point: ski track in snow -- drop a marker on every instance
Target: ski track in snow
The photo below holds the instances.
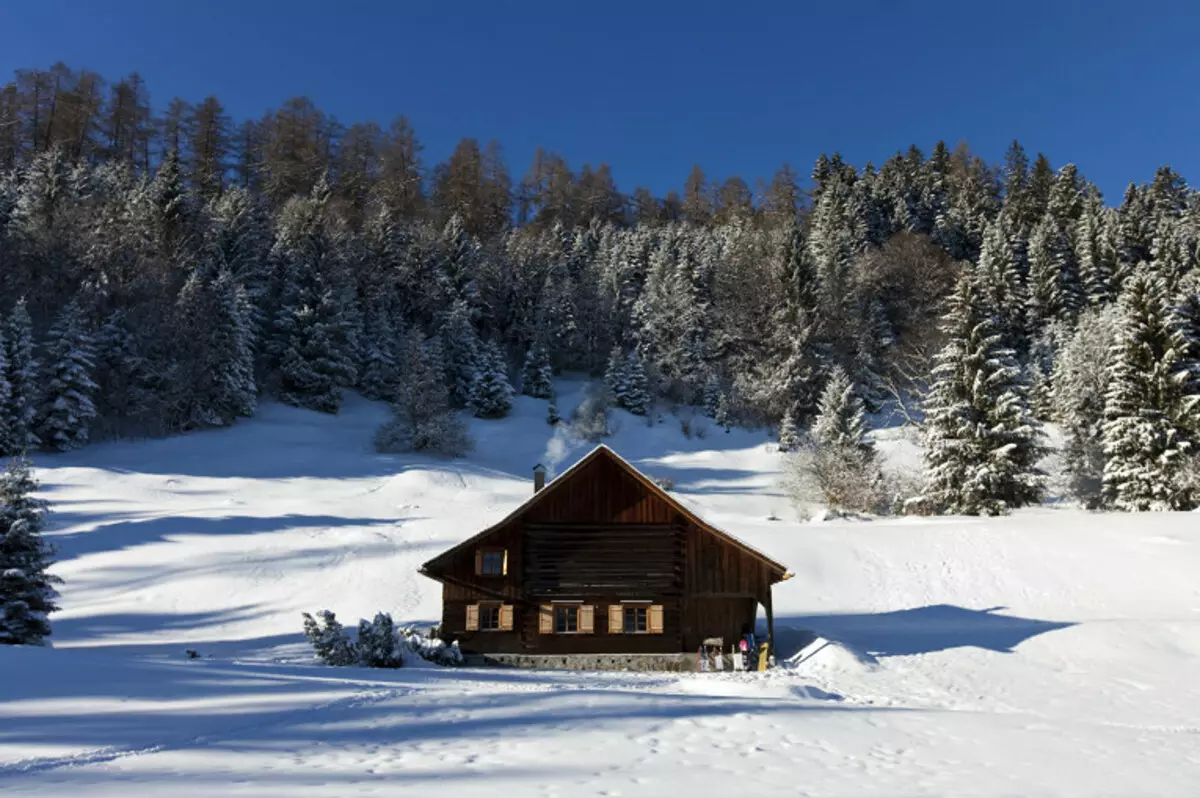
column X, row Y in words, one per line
column 1051, row 653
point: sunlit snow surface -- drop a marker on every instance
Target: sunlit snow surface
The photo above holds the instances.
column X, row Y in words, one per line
column 1054, row 652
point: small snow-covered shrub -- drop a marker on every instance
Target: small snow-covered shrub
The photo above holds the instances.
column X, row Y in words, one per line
column 380, row 644
column 840, row 478
column 329, row 639
column 377, row 643
column 444, row 434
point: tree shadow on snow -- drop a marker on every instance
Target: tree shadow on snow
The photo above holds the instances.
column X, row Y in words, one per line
column 124, row 534
column 921, row 630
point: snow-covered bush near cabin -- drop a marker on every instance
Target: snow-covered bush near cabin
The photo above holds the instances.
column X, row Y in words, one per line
column 380, row 644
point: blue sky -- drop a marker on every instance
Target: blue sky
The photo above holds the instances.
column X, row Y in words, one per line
column 653, row 87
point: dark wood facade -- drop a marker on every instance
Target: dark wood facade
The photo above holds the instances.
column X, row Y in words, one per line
column 638, row 572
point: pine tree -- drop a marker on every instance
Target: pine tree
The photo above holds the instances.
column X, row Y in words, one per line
column 329, row 640
column 127, row 395
column 999, row 279
column 8, row 442
column 627, row 383
column 536, row 374
column 217, row 349
column 1153, row 392
column 27, row 593
column 983, row 444
column 789, row 433
column 21, row 376
column 552, row 415
column 422, row 418
column 491, row 395
column 67, row 411
column 461, row 353
column 841, row 420
column 1080, row 382
column 380, row 371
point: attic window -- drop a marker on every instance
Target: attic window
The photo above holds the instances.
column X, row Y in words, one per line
column 491, row 562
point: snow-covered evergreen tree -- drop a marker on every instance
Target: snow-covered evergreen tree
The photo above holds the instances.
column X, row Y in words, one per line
column 1080, row 383
column 217, row 347
column 312, row 343
column 492, row 393
column 422, row 418
column 67, row 411
column 626, row 380
column 537, row 378
column 552, row 414
column 841, row 421
column 21, row 369
column 378, row 646
column 8, row 441
column 1153, row 394
column 27, row 593
column 983, row 444
column 789, row 433
column 329, row 640
column 462, row 354
column 380, row 371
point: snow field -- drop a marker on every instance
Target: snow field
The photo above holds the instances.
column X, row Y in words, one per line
column 1053, row 652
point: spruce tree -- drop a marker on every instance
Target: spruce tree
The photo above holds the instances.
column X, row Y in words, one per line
column 626, row 380
column 8, row 440
column 491, row 395
column 67, row 411
column 1153, row 392
column 462, row 354
column 789, row 433
column 380, row 371
column 983, row 443
column 217, row 345
column 1080, row 382
column 841, row 421
column 422, row 417
column 27, row 593
column 21, row 375
column 536, row 374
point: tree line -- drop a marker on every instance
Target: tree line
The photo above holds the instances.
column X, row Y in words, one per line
column 160, row 271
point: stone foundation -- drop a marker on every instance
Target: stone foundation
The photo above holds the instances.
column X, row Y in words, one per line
column 587, row 662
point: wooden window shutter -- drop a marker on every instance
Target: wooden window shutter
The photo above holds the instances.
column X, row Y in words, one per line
column 472, row 617
column 616, row 619
column 506, row 617
column 478, row 562
column 545, row 619
column 587, row 619
column 655, row 619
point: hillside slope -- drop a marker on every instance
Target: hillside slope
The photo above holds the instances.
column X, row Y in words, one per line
column 1050, row 653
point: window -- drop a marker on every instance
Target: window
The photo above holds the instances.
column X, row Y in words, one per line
column 635, row 620
column 566, row 620
column 489, row 617
column 491, row 562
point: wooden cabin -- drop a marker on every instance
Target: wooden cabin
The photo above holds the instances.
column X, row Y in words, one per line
column 599, row 564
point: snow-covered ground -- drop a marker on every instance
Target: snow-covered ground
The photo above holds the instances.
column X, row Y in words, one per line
column 1050, row 653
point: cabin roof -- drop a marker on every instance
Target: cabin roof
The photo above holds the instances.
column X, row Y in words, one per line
column 604, row 451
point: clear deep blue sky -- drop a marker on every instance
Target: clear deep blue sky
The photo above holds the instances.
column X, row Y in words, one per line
column 653, row 87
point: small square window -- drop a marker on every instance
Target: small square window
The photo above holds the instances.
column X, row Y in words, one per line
column 489, row 617
column 635, row 620
column 492, row 562
column 566, row 620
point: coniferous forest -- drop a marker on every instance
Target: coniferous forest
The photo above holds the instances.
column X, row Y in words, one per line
column 163, row 266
